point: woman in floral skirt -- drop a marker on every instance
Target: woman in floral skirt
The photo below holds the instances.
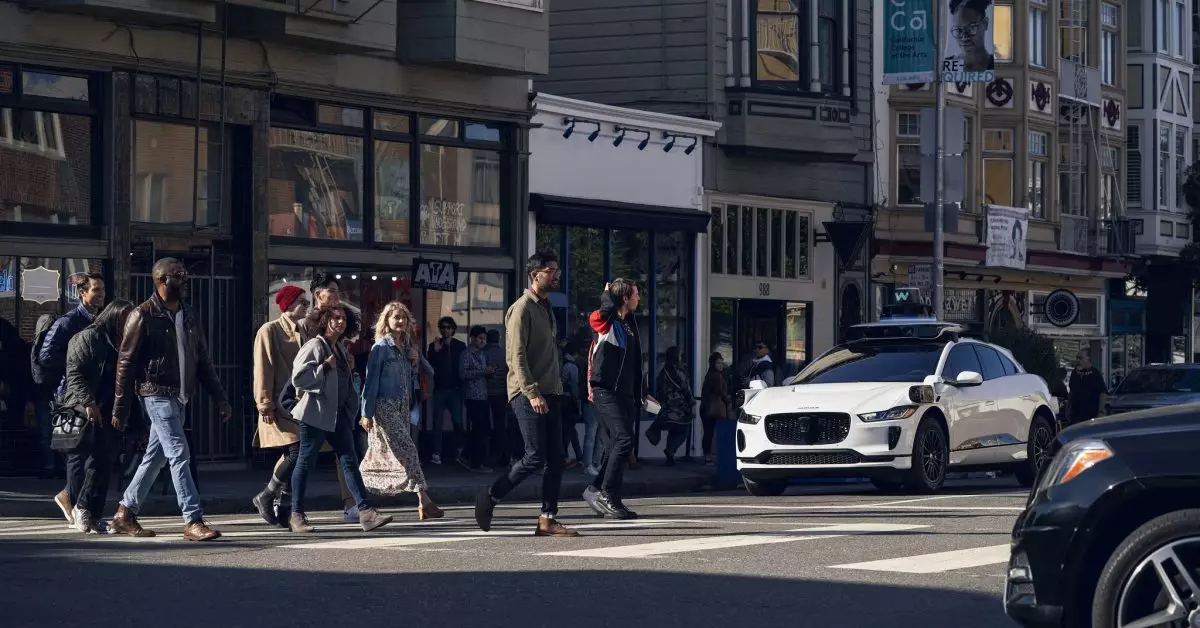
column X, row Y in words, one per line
column 391, row 465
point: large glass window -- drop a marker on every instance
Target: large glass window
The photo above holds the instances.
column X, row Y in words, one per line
column 393, row 191
column 585, row 273
column 1181, row 143
column 673, row 289
column 165, row 175
column 1164, row 164
column 1002, row 31
column 460, row 190
column 45, row 167
column 1037, row 37
column 908, row 159
column 783, row 39
column 315, row 187
column 1036, row 189
column 769, row 242
column 998, row 167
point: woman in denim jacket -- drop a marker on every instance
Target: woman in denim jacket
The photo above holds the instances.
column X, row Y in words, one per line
column 392, row 465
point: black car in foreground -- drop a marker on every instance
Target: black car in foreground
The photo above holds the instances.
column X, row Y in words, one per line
column 1110, row 537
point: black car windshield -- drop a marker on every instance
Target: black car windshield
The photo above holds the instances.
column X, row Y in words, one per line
column 1159, row 380
column 874, row 362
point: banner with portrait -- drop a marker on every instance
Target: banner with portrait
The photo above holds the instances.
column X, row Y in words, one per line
column 1006, row 236
column 970, row 53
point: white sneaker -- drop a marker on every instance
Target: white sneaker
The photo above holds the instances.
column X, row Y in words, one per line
column 83, row 520
column 435, row 459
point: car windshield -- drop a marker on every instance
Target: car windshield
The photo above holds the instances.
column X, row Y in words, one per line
column 873, row 362
column 1152, row 380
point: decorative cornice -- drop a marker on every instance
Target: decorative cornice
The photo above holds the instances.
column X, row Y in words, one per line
column 622, row 116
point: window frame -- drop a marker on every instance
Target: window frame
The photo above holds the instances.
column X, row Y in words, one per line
column 416, row 141
column 1133, row 166
column 1039, row 165
column 1181, row 164
column 224, row 225
column 1038, row 42
column 1000, row 155
column 842, row 25
column 1165, row 130
column 907, row 139
column 748, row 210
column 100, row 169
column 1012, row 32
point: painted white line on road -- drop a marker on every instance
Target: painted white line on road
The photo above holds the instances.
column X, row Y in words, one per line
column 703, row 543
column 848, row 507
column 936, row 563
column 469, row 535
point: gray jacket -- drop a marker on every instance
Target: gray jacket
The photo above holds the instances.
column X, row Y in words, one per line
column 317, row 387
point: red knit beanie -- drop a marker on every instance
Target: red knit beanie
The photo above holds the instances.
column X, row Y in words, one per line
column 286, row 296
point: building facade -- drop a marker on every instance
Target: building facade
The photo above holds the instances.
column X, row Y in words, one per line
column 616, row 192
column 790, row 84
column 260, row 142
column 1040, row 136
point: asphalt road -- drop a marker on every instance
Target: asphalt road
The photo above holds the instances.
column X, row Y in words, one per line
column 822, row 557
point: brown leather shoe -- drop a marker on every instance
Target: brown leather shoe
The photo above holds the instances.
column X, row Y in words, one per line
column 370, row 519
column 551, row 527
column 199, row 531
column 125, row 522
column 298, row 523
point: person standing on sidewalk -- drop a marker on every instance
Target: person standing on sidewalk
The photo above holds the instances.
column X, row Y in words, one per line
column 326, row 405
column 445, row 354
column 534, row 391
column 275, row 349
column 714, row 402
column 162, row 354
column 90, row 378
column 1088, row 393
column 51, row 368
column 474, row 375
column 504, row 441
column 392, row 465
column 615, row 376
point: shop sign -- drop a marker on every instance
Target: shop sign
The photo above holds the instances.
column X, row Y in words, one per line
column 921, row 276
column 1061, row 308
column 961, row 304
column 40, row 285
column 435, row 275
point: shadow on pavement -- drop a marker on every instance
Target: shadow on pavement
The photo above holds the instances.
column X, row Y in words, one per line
column 67, row 592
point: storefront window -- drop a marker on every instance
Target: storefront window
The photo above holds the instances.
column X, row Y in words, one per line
column 549, row 240
column 631, row 260
column 673, row 285
column 460, row 189
column 279, row 276
column 33, row 286
column 586, row 273
column 797, row 323
column 316, row 185
column 393, row 191
column 46, row 159
column 165, row 174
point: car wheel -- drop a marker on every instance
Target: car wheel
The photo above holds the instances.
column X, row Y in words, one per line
column 930, row 457
column 887, row 486
column 1150, row 580
column 1039, row 449
column 765, row 488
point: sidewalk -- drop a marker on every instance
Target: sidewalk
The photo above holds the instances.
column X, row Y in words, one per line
column 229, row 491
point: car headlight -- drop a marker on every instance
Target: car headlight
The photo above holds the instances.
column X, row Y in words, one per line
column 1077, row 457
column 748, row 418
column 893, row 414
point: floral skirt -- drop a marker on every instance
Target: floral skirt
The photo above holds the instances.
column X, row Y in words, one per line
column 391, row 465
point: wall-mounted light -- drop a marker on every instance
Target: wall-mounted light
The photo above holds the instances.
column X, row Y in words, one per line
column 689, row 149
column 645, row 141
column 570, row 127
column 670, row 144
column 620, row 131
column 571, row 122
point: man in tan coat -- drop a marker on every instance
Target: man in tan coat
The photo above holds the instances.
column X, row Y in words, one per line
column 275, row 348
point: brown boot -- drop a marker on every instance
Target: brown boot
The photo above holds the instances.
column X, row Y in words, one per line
column 370, row 519
column 125, row 522
column 297, row 522
column 548, row 526
column 199, row 531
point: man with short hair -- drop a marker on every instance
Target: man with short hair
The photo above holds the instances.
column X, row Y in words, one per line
column 534, row 391
column 615, row 380
column 1088, row 392
column 162, row 355
column 445, row 356
column 52, row 361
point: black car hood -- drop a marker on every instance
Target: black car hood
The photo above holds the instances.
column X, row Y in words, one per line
column 1155, row 420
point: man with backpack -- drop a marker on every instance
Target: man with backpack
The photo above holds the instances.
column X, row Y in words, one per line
column 49, row 362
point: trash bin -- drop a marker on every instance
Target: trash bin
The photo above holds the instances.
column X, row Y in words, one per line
column 726, row 475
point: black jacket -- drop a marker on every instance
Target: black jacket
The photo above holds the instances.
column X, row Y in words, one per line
column 91, row 371
column 613, row 344
column 447, row 374
column 148, row 360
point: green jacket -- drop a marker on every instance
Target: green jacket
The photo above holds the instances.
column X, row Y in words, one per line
column 531, row 348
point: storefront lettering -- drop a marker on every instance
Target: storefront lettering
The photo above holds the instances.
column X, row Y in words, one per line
column 443, row 221
column 435, row 275
column 961, row 304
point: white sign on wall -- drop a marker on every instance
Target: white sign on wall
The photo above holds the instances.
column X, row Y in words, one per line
column 1006, row 236
column 40, row 285
column 921, row 276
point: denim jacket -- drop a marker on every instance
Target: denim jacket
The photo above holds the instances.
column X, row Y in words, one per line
column 389, row 374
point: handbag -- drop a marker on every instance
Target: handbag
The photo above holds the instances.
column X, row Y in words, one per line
column 71, row 430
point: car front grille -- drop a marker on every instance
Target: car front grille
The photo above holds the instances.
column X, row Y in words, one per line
column 810, row 458
column 819, row 428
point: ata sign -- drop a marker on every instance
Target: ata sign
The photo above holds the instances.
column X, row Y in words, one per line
column 435, row 275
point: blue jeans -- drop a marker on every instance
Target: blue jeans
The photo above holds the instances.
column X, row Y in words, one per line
column 591, row 450
column 341, row 439
column 447, row 399
column 41, row 410
column 168, row 445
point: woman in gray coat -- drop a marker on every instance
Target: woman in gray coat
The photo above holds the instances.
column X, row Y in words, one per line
column 326, row 404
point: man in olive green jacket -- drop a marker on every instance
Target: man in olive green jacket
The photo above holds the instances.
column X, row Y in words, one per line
column 535, row 394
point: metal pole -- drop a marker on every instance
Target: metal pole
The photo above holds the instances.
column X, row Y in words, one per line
column 939, row 173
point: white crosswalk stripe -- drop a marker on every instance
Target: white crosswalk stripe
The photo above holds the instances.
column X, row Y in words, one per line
column 938, row 561
column 449, row 537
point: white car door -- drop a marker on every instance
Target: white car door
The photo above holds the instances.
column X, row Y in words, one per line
column 1010, row 392
column 971, row 407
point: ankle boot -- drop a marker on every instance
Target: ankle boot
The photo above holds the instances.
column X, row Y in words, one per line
column 125, row 522
column 370, row 519
column 297, row 522
column 264, row 503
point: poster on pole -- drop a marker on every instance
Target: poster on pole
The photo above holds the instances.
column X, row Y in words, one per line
column 1006, row 236
column 909, row 47
column 970, row 54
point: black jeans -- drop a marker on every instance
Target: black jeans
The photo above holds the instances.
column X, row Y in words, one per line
column 76, row 467
column 710, row 430
column 543, row 447
column 342, row 441
column 96, row 472
column 479, row 430
column 506, row 437
column 616, row 414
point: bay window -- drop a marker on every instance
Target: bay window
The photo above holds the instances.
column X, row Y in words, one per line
column 784, row 32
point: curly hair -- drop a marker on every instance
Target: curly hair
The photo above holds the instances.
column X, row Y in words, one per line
column 320, row 317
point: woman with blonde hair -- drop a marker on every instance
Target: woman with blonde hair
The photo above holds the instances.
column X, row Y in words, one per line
column 392, row 465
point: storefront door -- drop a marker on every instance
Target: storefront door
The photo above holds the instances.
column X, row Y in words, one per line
column 737, row 326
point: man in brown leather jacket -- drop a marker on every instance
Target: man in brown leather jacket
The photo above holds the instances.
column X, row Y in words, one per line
column 162, row 354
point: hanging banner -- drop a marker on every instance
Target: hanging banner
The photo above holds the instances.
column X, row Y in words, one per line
column 1006, row 229
column 970, row 54
column 909, row 47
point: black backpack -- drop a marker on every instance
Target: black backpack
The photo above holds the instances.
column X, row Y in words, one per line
column 41, row 376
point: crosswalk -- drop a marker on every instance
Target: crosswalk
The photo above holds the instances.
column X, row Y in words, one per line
column 638, row 539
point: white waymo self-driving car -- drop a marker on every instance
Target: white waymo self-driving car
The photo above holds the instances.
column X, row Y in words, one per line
column 904, row 405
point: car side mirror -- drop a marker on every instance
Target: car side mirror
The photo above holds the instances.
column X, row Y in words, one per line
column 966, row 379
column 758, row 384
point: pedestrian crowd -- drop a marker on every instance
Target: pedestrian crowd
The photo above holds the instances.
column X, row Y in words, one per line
column 109, row 363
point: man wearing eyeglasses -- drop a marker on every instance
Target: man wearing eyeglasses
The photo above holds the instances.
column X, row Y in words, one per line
column 163, row 353
column 761, row 367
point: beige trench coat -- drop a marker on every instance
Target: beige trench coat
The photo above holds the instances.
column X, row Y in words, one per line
column 275, row 349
